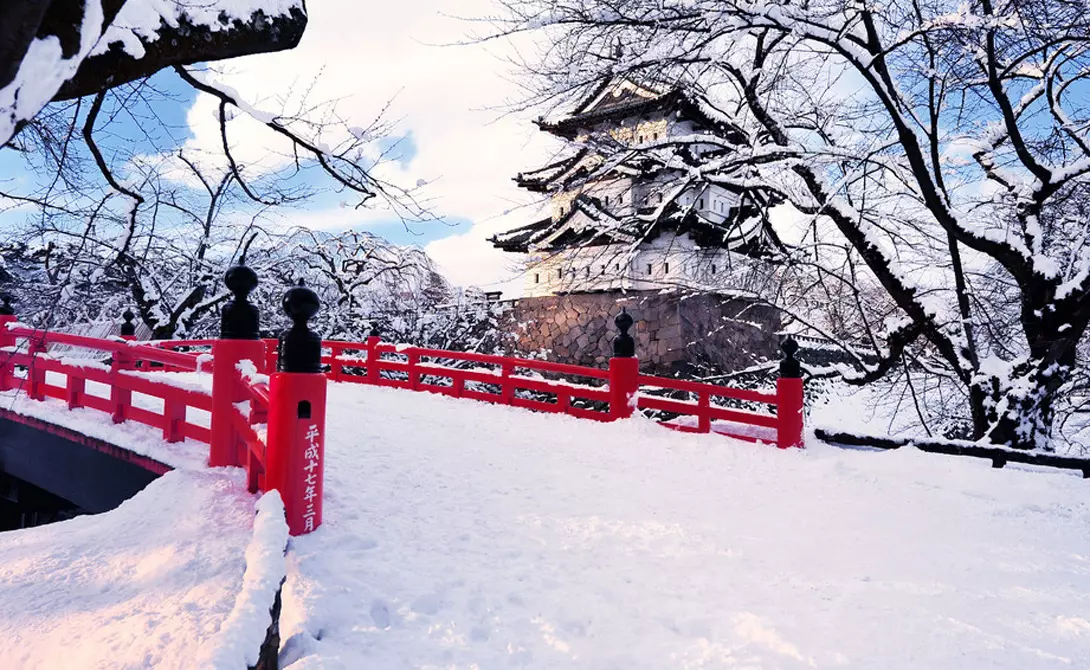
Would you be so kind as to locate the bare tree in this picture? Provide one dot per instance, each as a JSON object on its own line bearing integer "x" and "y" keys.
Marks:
{"x": 938, "y": 152}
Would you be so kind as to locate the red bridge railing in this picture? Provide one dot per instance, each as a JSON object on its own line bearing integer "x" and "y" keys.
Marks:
{"x": 594, "y": 393}
{"x": 273, "y": 423}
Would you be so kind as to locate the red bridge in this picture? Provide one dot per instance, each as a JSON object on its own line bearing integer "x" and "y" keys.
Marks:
{"x": 260, "y": 403}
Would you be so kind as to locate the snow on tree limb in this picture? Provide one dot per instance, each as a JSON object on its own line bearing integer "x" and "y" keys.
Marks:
{"x": 61, "y": 49}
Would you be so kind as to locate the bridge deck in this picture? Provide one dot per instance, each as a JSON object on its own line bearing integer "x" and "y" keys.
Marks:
{"x": 458, "y": 533}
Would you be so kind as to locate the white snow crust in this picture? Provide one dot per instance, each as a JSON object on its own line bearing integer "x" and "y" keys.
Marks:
{"x": 462, "y": 535}
{"x": 146, "y": 585}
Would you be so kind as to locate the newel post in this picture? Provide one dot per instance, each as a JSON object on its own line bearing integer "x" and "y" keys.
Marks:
{"x": 128, "y": 328}
{"x": 373, "y": 355}
{"x": 624, "y": 370}
{"x": 238, "y": 342}
{"x": 297, "y": 399}
{"x": 7, "y": 344}
{"x": 789, "y": 400}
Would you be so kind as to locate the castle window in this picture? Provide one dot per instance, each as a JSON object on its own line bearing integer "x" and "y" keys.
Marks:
{"x": 700, "y": 204}
{"x": 587, "y": 271}
{"x": 660, "y": 198}
{"x": 607, "y": 199}
{"x": 537, "y": 278}
{"x": 560, "y": 273}
{"x": 713, "y": 269}
{"x": 603, "y": 268}
{"x": 665, "y": 268}
{"x": 648, "y": 268}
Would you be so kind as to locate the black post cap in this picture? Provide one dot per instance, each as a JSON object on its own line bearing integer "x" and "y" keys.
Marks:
{"x": 300, "y": 348}
{"x": 5, "y": 305}
{"x": 128, "y": 328}
{"x": 623, "y": 345}
{"x": 240, "y": 319}
{"x": 789, "y": 365}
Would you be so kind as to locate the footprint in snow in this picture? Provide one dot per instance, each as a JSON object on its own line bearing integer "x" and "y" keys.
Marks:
{"x": 380, "y": 614}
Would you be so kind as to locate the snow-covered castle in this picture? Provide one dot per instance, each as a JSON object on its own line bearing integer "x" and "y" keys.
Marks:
{"x": 625, "y": 213}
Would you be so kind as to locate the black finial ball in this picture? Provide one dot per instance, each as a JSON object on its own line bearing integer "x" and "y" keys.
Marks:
{"x": 300, "y": 304}
{"x": 5, "y": 306}
{"x": 300, "y": 349}
{"x": 240, "y": 280}
{"x": 623, "y": 345}
{"x": 240, "y": 319}
{"x": 789, "y": 366}
{"x": 128, "y": 328}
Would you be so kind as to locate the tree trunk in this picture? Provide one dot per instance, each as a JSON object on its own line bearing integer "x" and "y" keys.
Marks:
{"x": 1019, "y": 407}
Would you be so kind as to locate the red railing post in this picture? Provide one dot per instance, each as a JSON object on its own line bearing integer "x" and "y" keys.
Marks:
{"x": 789, "y": 399}
{"x": 74, "y": 391}
{"x": 704, "y": 418}
{"x": 239, "y": 341}
{"x": 373, "y": 357}
{"x": 35, "y": 374}
{"x": 335, "y": 366}
{"x": 7, "y": 341}
{"x": 624, "y": 370}
{"x": 120, "y": 397}
{"x": 297, "y": 398}
{"x": 270, "y": 353}
{"x": 414, "y": 372}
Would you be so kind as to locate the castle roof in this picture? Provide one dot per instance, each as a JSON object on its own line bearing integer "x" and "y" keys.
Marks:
{"x": 616, "y": 99}
{"x": 587, "y": 223}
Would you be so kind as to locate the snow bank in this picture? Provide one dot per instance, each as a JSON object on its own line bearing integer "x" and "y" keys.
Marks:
{"x": 459, "y": 534}
{"x": 146, "y": 585}
{"x": 237, "y": 644}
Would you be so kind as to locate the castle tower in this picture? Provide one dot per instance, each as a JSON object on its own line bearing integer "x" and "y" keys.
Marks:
{"x": 623, "y": 212}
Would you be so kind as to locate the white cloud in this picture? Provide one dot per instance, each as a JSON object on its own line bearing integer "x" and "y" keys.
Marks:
{"x": 449, "y": 97}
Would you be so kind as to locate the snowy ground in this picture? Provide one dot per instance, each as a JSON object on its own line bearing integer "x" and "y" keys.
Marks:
{"x": 155, "y": 583}
{"x": 464, "y": 535}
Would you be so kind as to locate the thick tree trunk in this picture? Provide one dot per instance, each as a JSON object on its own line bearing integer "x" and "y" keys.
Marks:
{"x": 1019, "y": 408}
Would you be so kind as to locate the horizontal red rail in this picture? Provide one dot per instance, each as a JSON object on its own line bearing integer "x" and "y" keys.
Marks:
{"x": 418, "y": 368}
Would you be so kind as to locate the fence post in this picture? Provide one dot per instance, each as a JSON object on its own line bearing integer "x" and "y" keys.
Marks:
{"x": 297, "y": 399}
{"x": 238, "y": 342}
{"x": 624, "y": 370}
{"x": 373, "y": 356}
{"x": 7, "y": 364}
{"x": 789, "y": 402}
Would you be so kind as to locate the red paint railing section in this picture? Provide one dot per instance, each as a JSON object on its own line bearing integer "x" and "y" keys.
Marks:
{"x": 620, "y": 390}
{"x": 120, "y": 377}
{"x": 133, "y": 369}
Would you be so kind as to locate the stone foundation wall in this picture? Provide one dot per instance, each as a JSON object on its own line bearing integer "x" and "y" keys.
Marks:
{"x": 672, "y": 332}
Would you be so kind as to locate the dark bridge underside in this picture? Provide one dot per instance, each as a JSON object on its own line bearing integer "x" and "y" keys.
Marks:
{"x": 91, "y": 474}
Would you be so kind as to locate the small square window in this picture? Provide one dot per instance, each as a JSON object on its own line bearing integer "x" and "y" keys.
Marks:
{"x": 660, "y": 198}
{"x": 665, "y": 268}
{"x": 648, "y": 268}
{"x": 713, "y": 269}
{"x": 700, "y": 204}
{"x": 537, "y": 278}
{"x": 560, "y": 273}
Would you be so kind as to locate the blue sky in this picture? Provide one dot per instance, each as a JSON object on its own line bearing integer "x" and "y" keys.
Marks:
{"x": 446, "y": 104}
